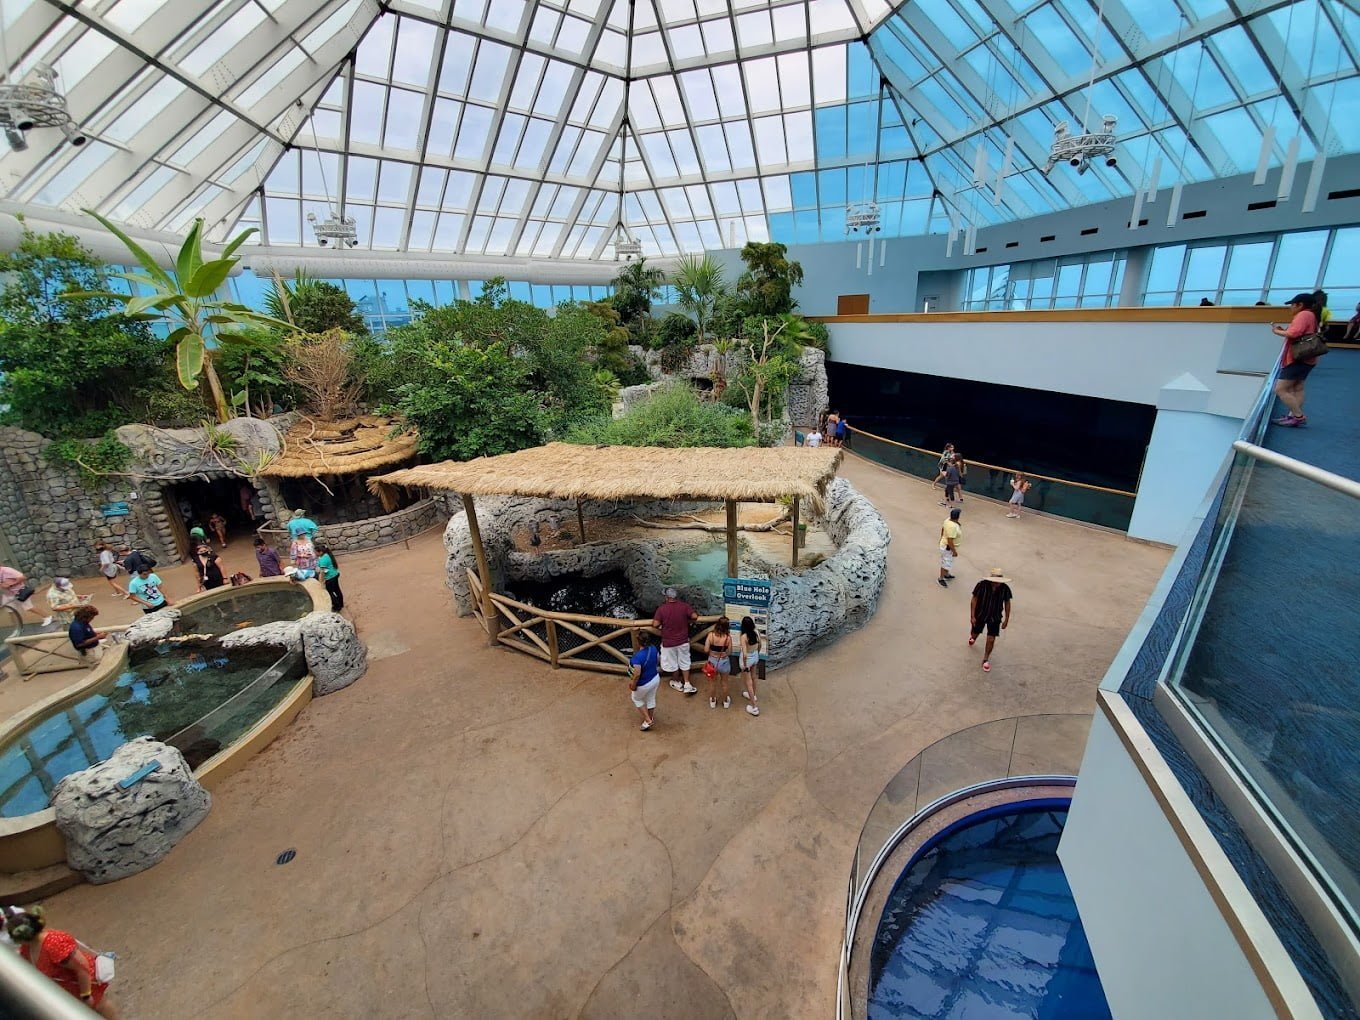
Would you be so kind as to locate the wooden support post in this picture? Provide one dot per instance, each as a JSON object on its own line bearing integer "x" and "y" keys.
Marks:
{"x": 794, "y": 513}
{"x": 489, "y": 614}
{"x": 731, "y": 538}
{"x": 552, "y": 642}
{"x": 580, "y": 521}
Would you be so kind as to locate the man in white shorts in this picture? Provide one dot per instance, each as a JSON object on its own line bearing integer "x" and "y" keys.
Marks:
{"x": 673, "y": 618}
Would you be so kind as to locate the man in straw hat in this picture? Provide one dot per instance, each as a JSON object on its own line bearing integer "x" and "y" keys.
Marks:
{"x": 990, "y": 607}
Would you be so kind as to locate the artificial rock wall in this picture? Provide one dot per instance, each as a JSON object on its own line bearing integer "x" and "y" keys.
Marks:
{"x": 811, "y": 607}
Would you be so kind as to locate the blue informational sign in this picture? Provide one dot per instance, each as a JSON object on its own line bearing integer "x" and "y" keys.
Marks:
{"x": 115, "y": 509}
{"x": 749, "y": 596}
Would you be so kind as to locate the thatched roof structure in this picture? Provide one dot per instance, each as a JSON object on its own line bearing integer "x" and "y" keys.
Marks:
{"x": 349, "y": 447}
{"x": 566, "y": 471}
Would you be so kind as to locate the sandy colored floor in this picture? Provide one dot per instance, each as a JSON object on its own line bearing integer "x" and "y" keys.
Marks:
{"x": 478, "y": 836}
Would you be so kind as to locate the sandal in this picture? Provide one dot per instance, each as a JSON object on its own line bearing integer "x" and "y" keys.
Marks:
{"x": 986, "y": 667}
{"x": 646, "y": 726}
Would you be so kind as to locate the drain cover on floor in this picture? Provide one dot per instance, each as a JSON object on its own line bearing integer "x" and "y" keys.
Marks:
{"x": 285, "y": 857}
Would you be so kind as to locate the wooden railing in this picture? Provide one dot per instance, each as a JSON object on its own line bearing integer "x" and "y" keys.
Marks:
{"x": 603, "y": 644}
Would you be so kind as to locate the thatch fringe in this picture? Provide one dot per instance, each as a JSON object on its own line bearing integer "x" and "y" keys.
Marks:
{"x": 565, "y": 471}
{"x": 349, "y": 447}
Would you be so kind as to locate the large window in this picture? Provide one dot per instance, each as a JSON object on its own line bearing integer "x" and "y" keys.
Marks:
{"x": 1078, "y": 281}
{"x": 1270, "y": 268}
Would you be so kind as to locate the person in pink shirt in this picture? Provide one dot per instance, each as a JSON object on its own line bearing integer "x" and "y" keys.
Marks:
{"x": 1289, "y": 383}
{"x": 16, "y": 591}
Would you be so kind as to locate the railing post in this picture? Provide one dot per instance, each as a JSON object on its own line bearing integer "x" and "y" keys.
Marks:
{"x": 794, "y": 515}
{"x": 493, "y": 624}
{"x": 552, "y": 640}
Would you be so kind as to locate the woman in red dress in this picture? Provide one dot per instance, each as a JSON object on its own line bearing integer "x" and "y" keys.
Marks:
{"x": 58, "y": 955}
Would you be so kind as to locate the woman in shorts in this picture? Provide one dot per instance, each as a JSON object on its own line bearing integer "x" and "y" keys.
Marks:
{"x": 108, "y": 566}
{"x": 750, "y": 663}
{"x": 1289, "y": 383}
{"x": 718, "y": 647}
{"x": 1019, "y": 486}
{"x": 644, "y": 678}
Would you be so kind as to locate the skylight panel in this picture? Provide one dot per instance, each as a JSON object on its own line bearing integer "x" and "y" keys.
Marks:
{"x": 374, "y": 58}
{"x": 789, "y": 24}
{"x": 830, "y": 17}
{"x": 221, "y": 40}
{"x": 1243, "y": 62}
{"x": 713, "y": 145}
{"x": 739, "y": 147}
{"x": 284, "y": 178}
{"x": 642, "y": 109}
{"x": 144, "y": 192}
{"x": 686, "y": 159}
{"x": 458, "y": 192}
{"x": 609, "y": 104}
{"x": 648, "y": 51}
{"x": 762, "y": 85}
{"x": 453, "y": 73}
{"x": 798, "y": 136}
{"x": 828, "y": 74}
{"x": 675, "y": 203}
{"x": 725, "y": 198}
{"x": 566, "y": 146}
{"x": 1047, "y": 28}
{"x": 490, "y": 198}
{"x": 659, "y": 158}
{"x": 447, "y": 231}
{"x": 611, "y": 49}
{"x": 394, "y": 183}
{"x": 573, "y": 35}
{"x": 431, "y": 187}
{"x": 207, "y": 133}
{"x": 443, "y": 127}
{"x": 526, "y": 86}
{"x": 668, "y": 103}
{"x": 387, "y": 224}
{"x": 687, "y": 42}
{"x": 586, "y": 152}
{"x": 555, "y": 89}
{"x": 284, "y": 216}
{"x": 543, "y": 29}
{"x": 422, "y": 231}
{"x": 727, "y": 87}
{"x": 366, "y": 118}
{"x": 478, "y": 233}
{"x": 698, "y": 86}
{"x": 320, "y": 174}
{"x": 533, "y": 145}
{"x": 562, "y": 205}
{"x": 754, "y": 30}
{"x": 404, "y": 111}
{"x": 718, "y": 38}
{"x": 414, "y": 52}
{"x": 795, "y": 86}
{"x": 473, "y": 132}
{"x": 250, "y": 160}
{"x": 361, "y": 179}
{"x": 144, "y": 110}
{"x": 280, "y": 69}
{"x": 487, "y": 78}
{"x": 130, "y": 15}
{"x": 770, "y": 142}
{"x": 678, "y": 10}
{"x": 505, "y": 15}
{"x": 587, "y": 9}
{"x": 512, "y": 127}
{"x": 331, "y": 27}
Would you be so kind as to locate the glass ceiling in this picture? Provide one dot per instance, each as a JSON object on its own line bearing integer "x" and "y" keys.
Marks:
{"x": 501, "y": 127}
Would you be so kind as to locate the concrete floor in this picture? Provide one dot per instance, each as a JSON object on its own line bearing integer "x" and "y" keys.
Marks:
{"x": 479, "y": 836}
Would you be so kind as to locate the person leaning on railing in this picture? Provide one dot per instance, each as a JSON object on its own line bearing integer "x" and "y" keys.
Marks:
{"x": 1290, "y": 381}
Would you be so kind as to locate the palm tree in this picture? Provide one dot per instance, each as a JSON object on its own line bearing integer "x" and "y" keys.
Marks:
{"x": 698, "y": 285}
{"x": 634, "y": 288}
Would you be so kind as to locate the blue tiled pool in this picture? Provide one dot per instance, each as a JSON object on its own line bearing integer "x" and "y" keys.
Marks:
{"x": 982, "y": 924}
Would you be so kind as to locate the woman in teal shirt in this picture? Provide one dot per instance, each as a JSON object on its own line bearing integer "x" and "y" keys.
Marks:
{"x": 330, "y": 575}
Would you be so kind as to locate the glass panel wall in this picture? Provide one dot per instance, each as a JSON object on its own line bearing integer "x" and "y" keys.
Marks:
{"x": 1086, "y": 281}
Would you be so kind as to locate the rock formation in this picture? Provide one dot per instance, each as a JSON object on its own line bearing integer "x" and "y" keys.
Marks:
{"x": 112, "y": 832}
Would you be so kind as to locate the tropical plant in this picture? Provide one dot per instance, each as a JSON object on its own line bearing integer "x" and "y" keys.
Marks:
{"x": 766, "y": 287}
{"x": 70, "y": 366}
{"x": 772, "y": 364}
{"x": 676, "y": 336}
{"x": 674, "y": 416}
{"x": 698, "y": 286}
{"x": 635, "y": 287}
{"x": 184, "y": 300}
{"x": 611, "y": 351}
{"x": 254, "y": 372}
{"x": 314, "y": 306}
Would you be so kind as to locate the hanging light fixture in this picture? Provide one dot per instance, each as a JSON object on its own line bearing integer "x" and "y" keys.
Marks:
{"x": 33, "y": 103}
{"x": 626, "y": 246}
{"x": 1079, "y": 150}
{"x": 336, "y": 228}
{"x": 865, "y": 217}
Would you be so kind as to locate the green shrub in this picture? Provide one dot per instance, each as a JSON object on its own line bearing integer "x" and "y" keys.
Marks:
{"x": 673, "y": 416}
{"x": 94, "y": 460}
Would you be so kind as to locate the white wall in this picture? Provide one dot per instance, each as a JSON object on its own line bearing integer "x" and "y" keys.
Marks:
{"x": 1161, "y": 944}
{"x": 1184, "y": 455}
{"x": 1129, "y": 361}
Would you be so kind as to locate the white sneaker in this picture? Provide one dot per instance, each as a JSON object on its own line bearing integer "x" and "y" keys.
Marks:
{"x": 727, "y": 702}
{"x": 712, "y": 702}
{"x": 47, "y": 621}
{"x": 689, "y": 688}
{"x": 752, "y": 710}
{"x": 676, "y": 685}
{"x": 746, "y": 695}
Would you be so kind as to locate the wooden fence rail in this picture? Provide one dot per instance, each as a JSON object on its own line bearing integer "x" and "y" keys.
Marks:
{"x": 603, "y": 644}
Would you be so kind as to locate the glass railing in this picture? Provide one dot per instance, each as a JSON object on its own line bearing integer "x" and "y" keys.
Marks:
{"x": 1078, "y": 501}
{"x": 1267, "y": 660}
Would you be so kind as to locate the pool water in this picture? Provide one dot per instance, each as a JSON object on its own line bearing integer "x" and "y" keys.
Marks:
{"x": 983, "y": 924}
{"x": 703, "y": 565}
{"x": 190, "y": 693}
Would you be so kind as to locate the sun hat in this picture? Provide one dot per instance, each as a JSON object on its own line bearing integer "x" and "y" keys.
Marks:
{"x": 197, "y": 533}
{"x": 299, "y": 513}
{"x": 998, "y": 575}
{"x": 671, "y": 593}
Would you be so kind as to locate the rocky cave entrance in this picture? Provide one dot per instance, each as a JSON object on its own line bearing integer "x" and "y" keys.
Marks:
{"x": 190, "y": 504}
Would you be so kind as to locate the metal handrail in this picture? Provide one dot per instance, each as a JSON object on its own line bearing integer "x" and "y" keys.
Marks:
{"x": 26, "y": 992}
{"x": 1338, "y": 483}
{"x": 992, "y": 467}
